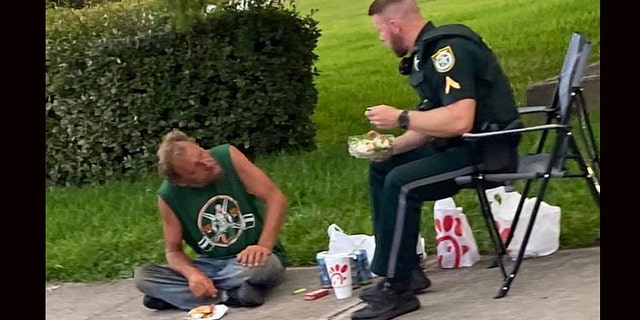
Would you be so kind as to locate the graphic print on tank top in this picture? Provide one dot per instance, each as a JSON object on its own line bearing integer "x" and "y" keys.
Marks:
{"x": 221, "y": 222}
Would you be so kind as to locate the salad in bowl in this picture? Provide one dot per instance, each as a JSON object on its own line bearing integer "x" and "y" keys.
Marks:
{"x": 372, "y": 145}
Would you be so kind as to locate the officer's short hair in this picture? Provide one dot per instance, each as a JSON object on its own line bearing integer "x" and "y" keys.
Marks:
{"x": 379, "y": 6}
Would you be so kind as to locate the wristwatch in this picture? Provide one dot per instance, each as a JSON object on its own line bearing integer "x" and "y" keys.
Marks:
{"x": 403, "y": 119}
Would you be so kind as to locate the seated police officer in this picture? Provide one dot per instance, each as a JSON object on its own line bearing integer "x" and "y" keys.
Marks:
{"x": 462, "y": 89}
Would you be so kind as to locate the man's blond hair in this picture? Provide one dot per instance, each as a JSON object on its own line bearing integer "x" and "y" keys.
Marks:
{"x": 168, "y": 150}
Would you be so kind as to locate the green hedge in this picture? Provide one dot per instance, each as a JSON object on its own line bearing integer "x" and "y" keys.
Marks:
{"x": 75, "y": 4}
{"x": 119, "y": 77}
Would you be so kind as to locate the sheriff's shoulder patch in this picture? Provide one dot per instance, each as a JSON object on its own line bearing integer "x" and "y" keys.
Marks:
{"x": 443, "y": 59}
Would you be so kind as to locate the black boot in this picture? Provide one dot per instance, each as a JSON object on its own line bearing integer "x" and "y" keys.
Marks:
{"x": 419, "y": 283}
{"x": 157, "y": 304}
{"x": 388, "y": 301}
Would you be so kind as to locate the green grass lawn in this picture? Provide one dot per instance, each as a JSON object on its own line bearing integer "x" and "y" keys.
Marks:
{"x": 101, "y": 233}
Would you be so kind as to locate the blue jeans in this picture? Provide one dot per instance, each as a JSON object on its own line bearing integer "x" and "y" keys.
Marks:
{"x": 228, "y": 275}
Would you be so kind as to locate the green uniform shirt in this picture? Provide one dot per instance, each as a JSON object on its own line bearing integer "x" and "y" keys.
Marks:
{"x": 221, "y": 219}
{"x": 451, "y": 63}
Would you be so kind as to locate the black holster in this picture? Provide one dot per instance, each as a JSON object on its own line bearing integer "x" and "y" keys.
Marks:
{"x": 442, "y": 144}
{"x": 500, "y": 153}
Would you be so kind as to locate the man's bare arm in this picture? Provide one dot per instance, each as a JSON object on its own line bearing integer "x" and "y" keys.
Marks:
{"x": 260, "y": 185}
{"x": 199, "y": 284}
{"x": 452, "y": 120}
{"x": 172, "y": 231}
{"x": 444, "y": 122}
{"x": 409, "y": 141}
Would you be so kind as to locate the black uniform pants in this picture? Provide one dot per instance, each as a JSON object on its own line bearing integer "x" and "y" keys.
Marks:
{"x": 398, "y": 187}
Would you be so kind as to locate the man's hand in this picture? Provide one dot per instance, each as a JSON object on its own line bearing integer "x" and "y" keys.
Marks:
{"x": 202, "y": 286}
{"x": 253, "y": 256}
{"x": 383, "y": 116}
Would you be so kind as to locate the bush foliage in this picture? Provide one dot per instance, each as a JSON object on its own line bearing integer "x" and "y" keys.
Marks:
{"x": 75, "y": 4}
{"x": 119, "y": 76}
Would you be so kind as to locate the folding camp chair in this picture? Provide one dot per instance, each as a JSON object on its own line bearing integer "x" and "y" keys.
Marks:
{"x": 571, "y": 154}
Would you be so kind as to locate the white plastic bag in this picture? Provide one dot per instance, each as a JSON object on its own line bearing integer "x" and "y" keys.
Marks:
{"x": 421, "y": 252}
{"x": 545, "y": 236}
{"x": 340, "y": 242}
{"x": 455, "y": 244}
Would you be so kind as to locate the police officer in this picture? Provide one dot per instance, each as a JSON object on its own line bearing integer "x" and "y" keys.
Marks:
{"x": 462, "y": 89}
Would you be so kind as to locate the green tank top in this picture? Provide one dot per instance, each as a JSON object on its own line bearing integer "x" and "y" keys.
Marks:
{"x": 221, "y": 219}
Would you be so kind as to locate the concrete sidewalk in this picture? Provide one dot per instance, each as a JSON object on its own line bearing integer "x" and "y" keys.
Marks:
{"x": 564, "y": 285}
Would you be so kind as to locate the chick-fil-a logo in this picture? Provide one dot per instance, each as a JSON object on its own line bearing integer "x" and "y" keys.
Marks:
{"x": 449, "y": 232}
{"x": 337, "y": 274}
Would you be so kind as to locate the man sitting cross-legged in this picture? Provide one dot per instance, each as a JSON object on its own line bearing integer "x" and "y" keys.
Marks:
{"x": 230, "y": 213}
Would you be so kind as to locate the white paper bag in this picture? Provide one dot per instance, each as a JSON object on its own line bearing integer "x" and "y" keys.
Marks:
{"x": 455, "y": 244}
{"x": 545, "y": 236}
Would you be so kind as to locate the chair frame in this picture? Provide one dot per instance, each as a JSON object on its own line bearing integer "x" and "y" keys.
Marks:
{"x": 539, "y": 166}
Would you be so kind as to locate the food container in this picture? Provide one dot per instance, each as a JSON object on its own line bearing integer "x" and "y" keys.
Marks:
{"x": 372, "y": 145}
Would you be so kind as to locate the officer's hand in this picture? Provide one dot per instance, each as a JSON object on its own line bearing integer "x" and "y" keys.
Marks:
{"x": 202, "y": 286}
{"x": 383, "y": 116}
{"x": 253, "y": 256}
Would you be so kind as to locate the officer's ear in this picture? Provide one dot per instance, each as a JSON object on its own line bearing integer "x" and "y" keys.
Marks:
{"x": 394, "y": 26}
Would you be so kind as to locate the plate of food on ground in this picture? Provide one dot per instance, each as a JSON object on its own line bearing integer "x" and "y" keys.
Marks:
{"x": 213, "y": 311}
